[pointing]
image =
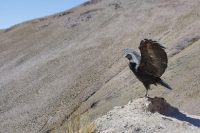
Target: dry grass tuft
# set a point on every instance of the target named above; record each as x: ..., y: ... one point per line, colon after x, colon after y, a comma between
x: 76, y: 124
x: 90, y: 128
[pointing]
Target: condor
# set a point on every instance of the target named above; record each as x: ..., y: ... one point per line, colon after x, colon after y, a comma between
x: 150, y: 65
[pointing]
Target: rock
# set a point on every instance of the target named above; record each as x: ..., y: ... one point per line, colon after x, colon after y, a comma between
x: 147, y: 115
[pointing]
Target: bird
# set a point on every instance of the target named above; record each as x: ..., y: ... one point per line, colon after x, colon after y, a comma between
x: 148, y: 65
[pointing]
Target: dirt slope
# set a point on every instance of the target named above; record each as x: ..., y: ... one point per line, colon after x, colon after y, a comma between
x: 72, y: 61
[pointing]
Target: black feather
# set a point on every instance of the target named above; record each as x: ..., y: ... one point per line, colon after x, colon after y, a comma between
x: 152, y: 63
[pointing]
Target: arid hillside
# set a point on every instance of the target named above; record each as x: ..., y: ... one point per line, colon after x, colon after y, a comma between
x: 53, y: 67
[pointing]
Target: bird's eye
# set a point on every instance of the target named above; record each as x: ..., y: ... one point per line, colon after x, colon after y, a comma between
x: 128, y: 56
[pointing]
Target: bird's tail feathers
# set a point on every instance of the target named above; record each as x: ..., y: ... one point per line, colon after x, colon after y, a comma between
x: 163, y: 83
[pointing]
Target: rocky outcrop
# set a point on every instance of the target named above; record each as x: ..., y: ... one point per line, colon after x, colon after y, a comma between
x: 147, y: 115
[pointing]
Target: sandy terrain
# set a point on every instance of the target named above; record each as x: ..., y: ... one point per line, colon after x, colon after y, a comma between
x: 72, y: 61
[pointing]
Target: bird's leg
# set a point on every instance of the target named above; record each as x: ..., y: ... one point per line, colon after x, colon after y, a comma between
x: 147, y: 86
x: 146, y: 95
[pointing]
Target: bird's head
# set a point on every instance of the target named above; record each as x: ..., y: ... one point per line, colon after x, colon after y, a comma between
x: 133, y: 57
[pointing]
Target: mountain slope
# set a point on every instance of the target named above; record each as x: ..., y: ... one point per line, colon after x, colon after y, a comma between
x: 56, y: 65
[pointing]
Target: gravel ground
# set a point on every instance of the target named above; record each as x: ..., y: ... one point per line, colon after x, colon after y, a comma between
x: 147, y: 116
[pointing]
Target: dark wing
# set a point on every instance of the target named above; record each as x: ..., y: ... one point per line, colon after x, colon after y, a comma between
x: 153, y: 58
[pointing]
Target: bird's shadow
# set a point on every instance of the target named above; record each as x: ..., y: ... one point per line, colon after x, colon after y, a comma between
x: 158, y: 104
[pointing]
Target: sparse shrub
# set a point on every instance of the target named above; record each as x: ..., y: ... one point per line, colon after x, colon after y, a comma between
x: 116, y: 5
x: 91, y: 2
x: 64, y: 13
x: 45, y: 25
x: 89, y: 11
x: 74, y: 25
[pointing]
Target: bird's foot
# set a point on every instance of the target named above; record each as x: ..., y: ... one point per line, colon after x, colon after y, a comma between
x: 146, y: 96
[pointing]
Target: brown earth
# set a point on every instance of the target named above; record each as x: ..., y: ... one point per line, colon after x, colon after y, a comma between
x: 72, y: 61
